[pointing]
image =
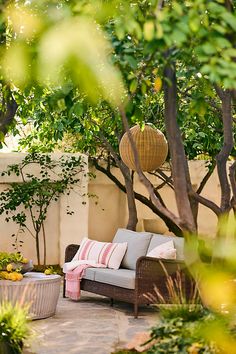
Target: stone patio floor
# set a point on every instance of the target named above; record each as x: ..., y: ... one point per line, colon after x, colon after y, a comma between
x: 89, y: 325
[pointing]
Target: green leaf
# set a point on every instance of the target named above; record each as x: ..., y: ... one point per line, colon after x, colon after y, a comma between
x: 78, y: 109
x: 131, y: 60
x: 208, y: 48
x: 215, y: 9
x: 177, y: 8
x: 194, y: 24
x: 230, y: 19
x: 231, y: 52
x: 143, y: 88
x: 222, y: 42
x: 133, y: 85
x: 178, y: 36
x: 119, y: 30
x: 2, y: 136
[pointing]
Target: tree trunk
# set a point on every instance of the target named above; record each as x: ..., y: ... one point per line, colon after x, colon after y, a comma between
x: 9, y: 108
x: 37, y: 246
x: 179, y: 164
x: 222, y: 157
x: 44, y: 245
x: 133, y: 218
x: 232, y: 177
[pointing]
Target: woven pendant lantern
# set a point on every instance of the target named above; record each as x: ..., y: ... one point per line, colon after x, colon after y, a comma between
x: 151, y: 145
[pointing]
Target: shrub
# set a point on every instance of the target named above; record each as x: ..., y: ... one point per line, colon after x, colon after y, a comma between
x: 14, y: 326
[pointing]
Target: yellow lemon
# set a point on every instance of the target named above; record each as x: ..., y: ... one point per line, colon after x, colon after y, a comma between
x: 9, y: 267
x: 8, y: 276
x: 13, y: 276
x: 3, y: 274
x: 47, y: 271
x: 157, y: 84
x: 19, y: 276
x: 25, y: 260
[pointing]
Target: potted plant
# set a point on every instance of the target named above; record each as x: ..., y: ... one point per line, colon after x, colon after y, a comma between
x: 14, y: 328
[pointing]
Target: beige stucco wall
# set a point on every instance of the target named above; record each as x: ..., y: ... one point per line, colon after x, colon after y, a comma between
x: 110, y: 212
x: 107, y: 207
x: 102, y: 214
x: 61, y: 229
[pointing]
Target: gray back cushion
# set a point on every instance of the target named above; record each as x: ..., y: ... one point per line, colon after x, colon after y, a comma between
x: 157, y: 240
x: 138, y: 243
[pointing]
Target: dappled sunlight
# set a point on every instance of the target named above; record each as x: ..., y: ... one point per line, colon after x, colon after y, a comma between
x: 89, y: 323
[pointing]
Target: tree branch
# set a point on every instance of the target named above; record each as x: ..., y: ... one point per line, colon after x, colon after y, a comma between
x: 206, y: 202
x: 206, y: 178
x: 144, y: 200
x: 163, y: 177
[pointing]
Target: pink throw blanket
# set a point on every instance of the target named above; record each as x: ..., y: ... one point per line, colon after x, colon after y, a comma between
x: 74, y: 277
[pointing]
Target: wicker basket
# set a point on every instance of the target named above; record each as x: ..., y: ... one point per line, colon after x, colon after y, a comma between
x: 151, y: 145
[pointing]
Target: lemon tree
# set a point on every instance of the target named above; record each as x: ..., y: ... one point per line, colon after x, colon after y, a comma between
x: 36, y: 192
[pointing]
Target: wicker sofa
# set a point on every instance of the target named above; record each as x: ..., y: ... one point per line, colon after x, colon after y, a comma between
x: 138, y: 274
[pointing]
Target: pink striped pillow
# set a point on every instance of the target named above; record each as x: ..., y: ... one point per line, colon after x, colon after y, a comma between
x: 107, y: 253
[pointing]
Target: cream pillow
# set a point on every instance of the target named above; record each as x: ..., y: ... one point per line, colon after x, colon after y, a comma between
x: 165, y: 250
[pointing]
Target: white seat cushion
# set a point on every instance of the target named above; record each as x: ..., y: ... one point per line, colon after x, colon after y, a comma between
x: 89, y: 273
x: 124, y: 278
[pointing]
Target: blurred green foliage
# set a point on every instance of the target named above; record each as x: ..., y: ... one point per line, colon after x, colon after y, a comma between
x: 14, y: 327
x: 139, y: 34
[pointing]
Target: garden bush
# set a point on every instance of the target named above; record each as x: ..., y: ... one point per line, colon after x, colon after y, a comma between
x: 14, y: 328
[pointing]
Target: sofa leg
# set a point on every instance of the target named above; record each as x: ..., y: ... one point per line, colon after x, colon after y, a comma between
x: 135, y: 310
x: 111, y: 302
x: 64, y: 288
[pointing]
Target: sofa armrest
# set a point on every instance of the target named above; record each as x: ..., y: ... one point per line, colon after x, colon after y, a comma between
x: 70, y: 252
x: 156, y: 267
x: 153, y: 273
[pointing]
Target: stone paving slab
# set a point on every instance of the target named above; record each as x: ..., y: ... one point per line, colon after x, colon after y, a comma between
x: 89, y: 325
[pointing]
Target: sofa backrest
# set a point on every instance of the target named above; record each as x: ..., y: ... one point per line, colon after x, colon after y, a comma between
x: 158, y: 239
x: 138, y: 243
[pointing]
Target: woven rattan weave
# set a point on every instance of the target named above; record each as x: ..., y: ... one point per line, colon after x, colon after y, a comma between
x: 151, y: 145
